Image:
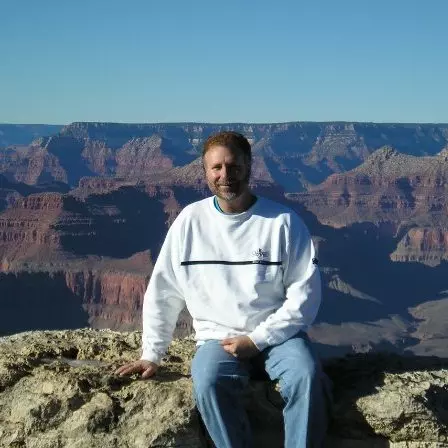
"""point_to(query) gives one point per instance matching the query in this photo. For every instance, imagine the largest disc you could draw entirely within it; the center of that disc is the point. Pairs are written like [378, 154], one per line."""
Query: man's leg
[300, 377]
[219, 380]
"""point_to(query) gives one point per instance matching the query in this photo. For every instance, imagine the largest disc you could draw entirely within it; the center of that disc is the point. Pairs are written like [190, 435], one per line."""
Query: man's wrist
[151, 357]
[260, 343]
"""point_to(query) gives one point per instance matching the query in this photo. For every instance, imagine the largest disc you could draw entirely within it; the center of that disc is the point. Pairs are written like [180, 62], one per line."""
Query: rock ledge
[57, 389]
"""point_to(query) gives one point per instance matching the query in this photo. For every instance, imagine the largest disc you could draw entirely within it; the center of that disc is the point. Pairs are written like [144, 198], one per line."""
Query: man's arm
[302, 284]
[162, 304]
[163, 299]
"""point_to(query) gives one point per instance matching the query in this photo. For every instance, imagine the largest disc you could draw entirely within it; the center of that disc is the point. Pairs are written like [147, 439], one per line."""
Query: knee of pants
[208, 385]
[206, 380]
[299, 377]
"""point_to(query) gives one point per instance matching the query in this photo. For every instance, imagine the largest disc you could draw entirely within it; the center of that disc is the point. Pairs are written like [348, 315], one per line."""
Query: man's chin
[227, 197]
[226, 193]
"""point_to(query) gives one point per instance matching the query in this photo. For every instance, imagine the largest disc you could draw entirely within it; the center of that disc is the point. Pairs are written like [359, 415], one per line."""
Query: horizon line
[227, 123]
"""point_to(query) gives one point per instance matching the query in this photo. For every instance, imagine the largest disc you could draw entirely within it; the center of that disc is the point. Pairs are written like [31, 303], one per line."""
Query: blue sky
[223, 61]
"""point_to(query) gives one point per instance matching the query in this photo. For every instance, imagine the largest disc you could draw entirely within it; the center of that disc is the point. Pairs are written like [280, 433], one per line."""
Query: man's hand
[146, 368]
[241, 347]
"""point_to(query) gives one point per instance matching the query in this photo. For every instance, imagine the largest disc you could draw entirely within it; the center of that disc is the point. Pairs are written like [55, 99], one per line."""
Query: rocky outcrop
[100, 185]
[388, 187]
[110, 299]
[41, 202]
[140, 157]
[78, 402]
[117, 223]
[430, 328]
[34, 165]
[98, 157]
[26, 225]
[423, 245]
[58, 389]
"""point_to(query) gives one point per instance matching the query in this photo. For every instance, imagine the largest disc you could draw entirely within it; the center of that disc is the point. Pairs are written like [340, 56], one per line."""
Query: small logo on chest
[260, 254]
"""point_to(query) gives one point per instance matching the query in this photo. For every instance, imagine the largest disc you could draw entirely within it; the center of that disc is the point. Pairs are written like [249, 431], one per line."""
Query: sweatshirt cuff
[154, 357]
[259, 339]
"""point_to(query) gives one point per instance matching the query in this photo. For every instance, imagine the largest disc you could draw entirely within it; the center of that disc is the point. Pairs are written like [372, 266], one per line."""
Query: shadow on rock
[399, 398]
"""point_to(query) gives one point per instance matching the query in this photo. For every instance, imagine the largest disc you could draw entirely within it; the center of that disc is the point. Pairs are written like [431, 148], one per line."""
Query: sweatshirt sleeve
[163, 300]
[302, 283]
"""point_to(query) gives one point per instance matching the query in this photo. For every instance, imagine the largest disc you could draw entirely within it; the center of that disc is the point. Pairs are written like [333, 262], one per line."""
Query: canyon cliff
[83, 214]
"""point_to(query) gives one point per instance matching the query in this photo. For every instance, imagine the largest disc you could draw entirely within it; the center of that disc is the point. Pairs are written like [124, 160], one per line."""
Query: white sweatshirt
[252, 273]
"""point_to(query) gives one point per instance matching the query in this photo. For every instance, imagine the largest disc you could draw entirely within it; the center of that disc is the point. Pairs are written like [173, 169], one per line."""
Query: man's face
[227, 172]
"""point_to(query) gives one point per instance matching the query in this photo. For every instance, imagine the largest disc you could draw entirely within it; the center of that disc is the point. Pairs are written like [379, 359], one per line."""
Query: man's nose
[227, 173]
[224, 174]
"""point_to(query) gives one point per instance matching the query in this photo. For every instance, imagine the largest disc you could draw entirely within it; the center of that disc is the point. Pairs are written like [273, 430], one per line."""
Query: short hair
[232, 140]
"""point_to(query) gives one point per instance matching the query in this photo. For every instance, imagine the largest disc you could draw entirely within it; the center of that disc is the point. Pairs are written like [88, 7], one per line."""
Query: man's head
[227, 161]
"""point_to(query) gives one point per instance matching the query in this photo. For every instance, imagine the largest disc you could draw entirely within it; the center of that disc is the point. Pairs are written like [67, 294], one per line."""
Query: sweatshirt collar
[232, 216]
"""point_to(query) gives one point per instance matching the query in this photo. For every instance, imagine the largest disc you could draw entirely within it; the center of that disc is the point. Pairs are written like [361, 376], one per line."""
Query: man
[245, 267]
